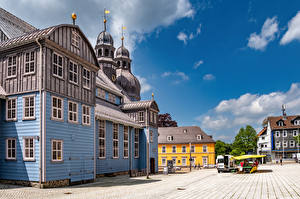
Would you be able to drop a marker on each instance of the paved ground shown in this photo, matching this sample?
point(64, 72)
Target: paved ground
point(271, 182)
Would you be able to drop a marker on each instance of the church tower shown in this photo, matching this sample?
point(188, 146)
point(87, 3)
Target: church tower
point(105, 51)
point(125, 78)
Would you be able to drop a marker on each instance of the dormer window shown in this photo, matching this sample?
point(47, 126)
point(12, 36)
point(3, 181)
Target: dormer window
point(184, 130)
point(297, 122)
point(199, 137)
point(170, 138)
point(280, 123)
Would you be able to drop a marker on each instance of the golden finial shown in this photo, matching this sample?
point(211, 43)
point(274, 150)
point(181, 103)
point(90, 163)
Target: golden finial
point(74, 17)
point(152, 96)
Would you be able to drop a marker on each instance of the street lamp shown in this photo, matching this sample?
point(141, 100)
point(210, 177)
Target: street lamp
point(284, 118)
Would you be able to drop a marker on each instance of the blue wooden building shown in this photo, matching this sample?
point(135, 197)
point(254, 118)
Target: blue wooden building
point(70, 112)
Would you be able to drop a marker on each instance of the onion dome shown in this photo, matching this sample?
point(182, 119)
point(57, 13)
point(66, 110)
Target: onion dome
point(105, 38)
point(122, 52)
point(129, 83)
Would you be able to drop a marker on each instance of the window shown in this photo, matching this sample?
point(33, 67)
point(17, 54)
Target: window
point(151, 116)
point(141, 116)
point(295, 133)
point(75, 39)
point(112, 54)
point(173, 149)
point(183, 159)
point(101, 93)
point(12, 66)
point(199, 137)
point(151, 136)
point(73, 72)
point(115, 140)
point(284, 133)
point(163, 149)
point(125, 141)
point(262, 138)
point(292, 143)
point(99, 52)
point(204, 149)
point(101, 139)
point(106, 52)
point(278, 144)
point(57, 108)
point(163, 161)
point(154, 118)
point(184, 130)
point(183, 149)
point(28, 149)
point(285, 144)
point(266, 145)
point(29, 62)
point(192, 149)
point(136, 143)
point(170, 138)
point(11, 109)
point(111, 98)
point(297, 122)
point(280, 123)
point(86, 115)
point(174, 160)
point(57, 150)
point(28, 107)
point(124, 64)
point(11, 148)
point(277, 133)
point(73, 112)
point(57, 65)
point(86, 78)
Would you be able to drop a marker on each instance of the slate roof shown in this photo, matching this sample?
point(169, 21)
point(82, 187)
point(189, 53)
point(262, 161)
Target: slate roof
point(2, 93)
point(180, 137)
point(138, 105)
point(288, 123)
point(114, 115)
point(13, 26)
point(262, 131)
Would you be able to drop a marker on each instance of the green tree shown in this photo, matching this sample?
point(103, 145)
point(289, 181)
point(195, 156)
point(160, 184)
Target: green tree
point(245, 141)
point(222, 148)
point(297, 139)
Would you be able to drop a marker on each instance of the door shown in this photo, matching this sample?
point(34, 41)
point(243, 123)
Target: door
point(204, 160)
point(152, 165)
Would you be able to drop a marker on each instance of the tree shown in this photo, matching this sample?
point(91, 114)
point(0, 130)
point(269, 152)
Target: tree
point(297, 139)
point(244, 141)
point(165, 120)
point(222, 148)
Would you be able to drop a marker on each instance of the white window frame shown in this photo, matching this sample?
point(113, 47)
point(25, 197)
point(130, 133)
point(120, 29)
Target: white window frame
point(136, 143)
point(164, 161)
point(72, 72)
point(280, 123)
point(74, 113)
point(11, 149)
point(86, 81)
point(183, 163)
point(28, 148)
point(61, 109)
point(173, 149)
point(295, 133)
point(29, 62)
point(174, 162)
point(277, 134)
point(111, 98)
point(126, 141)
point(194, 149)
point(141, 116)
point(86, 115)
point(57, 65)
point(115, 140)
point(12, 66)
point(285, 144)
point(284, 133)
point(75, 39)
point(103, 148)
point(184, 149)
point(199, 137)
point(292, 143)
point(163, 149)
point(101, 93)
point(15, 109)
point(57, 150)
point(151, 116)
point(30, 117)
point(169, 138)
point(204, 147)
point(154, 118)
point(297, 122)
point(278, 144)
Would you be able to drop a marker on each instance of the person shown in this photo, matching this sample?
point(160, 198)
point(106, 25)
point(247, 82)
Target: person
point(280, 160)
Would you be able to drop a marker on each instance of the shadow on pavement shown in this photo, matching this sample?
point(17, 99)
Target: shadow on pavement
point(264, 171)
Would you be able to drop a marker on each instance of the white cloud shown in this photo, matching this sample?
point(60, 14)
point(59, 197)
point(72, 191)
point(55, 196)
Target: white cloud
point(267, 34)
point(198, 63)
point(293, 32)
point(230, 115)
point(182, 36)
point(209, 77)
point(145, 86)
point(179, 76)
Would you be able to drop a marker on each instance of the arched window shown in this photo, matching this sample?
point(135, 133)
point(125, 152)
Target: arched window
point(124, 64)
point(118, 63)
point(100, 52)
point(112, 54)
point(106, 53)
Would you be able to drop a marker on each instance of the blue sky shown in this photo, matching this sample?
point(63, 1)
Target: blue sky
point(217, 64)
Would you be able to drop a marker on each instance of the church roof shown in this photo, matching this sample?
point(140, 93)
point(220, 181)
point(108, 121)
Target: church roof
point(183, 135)
point(262, 131)
point(13, 26)
point(140, 105)
point(287, 124)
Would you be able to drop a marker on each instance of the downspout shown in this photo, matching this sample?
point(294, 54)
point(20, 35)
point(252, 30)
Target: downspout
point(130, 151)
point(95, 175)
point(41, 112)
point(147, 145)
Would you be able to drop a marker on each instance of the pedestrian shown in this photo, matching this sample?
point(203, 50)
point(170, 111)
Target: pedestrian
point(280, 160)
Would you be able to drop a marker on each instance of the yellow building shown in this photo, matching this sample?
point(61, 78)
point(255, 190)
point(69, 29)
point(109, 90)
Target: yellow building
point(176, 143)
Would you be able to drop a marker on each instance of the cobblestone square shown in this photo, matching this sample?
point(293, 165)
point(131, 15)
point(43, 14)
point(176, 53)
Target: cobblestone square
point(272, 181)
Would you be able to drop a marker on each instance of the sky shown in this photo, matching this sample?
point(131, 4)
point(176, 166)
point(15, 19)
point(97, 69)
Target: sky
point(220, 65)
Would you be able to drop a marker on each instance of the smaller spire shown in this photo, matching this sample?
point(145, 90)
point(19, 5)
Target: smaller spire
point(105, 19)
point(122, 38)
point(152, 96)
point(74, 17)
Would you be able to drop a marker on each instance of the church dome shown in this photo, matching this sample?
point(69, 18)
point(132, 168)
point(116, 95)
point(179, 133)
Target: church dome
point(122, 51)
point(129, 83)
point(105, 38)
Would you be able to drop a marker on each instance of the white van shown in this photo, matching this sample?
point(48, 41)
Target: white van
point(224, 163)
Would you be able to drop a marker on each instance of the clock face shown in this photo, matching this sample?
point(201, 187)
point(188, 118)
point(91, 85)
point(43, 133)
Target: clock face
point(113, 77)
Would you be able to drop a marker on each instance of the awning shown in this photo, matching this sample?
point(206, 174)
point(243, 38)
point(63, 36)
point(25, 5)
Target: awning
point(2, 93)
point(243, 157)
point(106, 113)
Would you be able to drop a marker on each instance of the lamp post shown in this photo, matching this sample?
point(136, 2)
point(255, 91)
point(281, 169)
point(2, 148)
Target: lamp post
point(190, 157)
point(284, 118)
